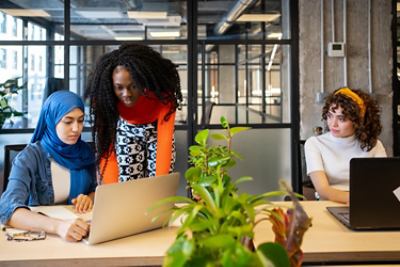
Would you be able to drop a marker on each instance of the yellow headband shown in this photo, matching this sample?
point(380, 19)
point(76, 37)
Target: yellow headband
point(353, 96)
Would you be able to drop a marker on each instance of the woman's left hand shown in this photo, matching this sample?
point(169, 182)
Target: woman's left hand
point(82, 203)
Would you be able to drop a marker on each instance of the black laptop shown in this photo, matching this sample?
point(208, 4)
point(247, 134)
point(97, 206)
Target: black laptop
point(374, 195)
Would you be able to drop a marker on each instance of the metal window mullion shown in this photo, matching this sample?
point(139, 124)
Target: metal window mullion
point(192, 70)
point(295, 96)
point(237, 84)
point(203, 84)
point(67, 35)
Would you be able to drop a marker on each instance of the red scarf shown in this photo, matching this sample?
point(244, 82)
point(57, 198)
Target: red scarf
point(147, 109)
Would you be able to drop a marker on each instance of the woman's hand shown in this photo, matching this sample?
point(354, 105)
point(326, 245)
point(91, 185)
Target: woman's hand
point(73, 230)
point(82, 203)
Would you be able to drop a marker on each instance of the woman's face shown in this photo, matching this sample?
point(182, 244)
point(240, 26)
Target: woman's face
point(125, 87)
point(338, 125)
point(70, 127)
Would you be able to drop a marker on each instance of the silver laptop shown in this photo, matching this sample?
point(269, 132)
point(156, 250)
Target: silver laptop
point(122, 209)
point(374, 195)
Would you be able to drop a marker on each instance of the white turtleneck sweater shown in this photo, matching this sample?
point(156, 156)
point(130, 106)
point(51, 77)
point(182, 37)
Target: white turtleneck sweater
point(332, 155)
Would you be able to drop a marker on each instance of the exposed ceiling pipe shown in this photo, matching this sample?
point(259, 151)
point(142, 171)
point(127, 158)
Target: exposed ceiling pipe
point(134, 4)
point(322, 64)
point(237, 10)
point(333, 20)
point(369, 47)
point(345, 42)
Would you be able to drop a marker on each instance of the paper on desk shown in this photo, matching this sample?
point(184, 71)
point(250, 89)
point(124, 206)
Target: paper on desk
point(396, 192)
point(62, 212)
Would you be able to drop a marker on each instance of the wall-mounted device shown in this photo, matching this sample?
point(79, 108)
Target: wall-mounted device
point(320, 97)
point(336, 49)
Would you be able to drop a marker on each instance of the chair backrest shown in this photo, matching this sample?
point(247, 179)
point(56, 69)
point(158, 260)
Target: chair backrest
point(52, 85)
point(307, 185)
point(208, 112)
point(10, 152)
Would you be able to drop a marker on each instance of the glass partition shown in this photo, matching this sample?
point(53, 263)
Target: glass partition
point(29, 66)
point(255, 20)
point(44, 18)
point(265, 155)
point(128, 20)
point(83, 59)
point(248, 84)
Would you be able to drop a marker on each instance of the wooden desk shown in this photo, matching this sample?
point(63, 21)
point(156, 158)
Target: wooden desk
point(328, 241)
point(139, 250)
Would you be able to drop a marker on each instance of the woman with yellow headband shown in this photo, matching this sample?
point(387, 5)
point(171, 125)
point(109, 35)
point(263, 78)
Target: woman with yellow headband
point(353, 122)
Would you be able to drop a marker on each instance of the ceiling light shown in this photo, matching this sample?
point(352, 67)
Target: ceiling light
point(128, 38)
point(164, 34)
point(18, 12)
point(257, 17)
point(147, 15)
point(99, 14)
point(271, 59)
point(171, 51)
point(275, 35)
point(126, 28)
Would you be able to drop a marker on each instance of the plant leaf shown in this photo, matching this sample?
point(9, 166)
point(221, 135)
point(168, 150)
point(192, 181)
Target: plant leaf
point(169, 200)
point(193, 173)
point(201, 137)
point(217, 161)
point(218, 136)
point(179, 253)
point(195, 150)
point(275, 253)
point(206, 197)
point(224, 122)
point(236, 155)
point(235, 130)
point(243, 179)
point(223, 241)
point(206, 181)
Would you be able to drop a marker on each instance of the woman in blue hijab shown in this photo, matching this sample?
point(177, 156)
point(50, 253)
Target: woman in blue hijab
point(57, 167)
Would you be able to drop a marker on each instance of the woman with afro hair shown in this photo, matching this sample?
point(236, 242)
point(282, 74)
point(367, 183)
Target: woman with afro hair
point(353, 121)
point(134, 93)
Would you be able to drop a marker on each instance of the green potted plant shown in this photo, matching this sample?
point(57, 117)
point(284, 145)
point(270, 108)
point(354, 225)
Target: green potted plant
point(8, 88)
point(217, 224)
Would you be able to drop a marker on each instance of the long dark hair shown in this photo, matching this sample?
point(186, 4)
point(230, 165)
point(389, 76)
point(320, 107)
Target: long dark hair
point(367, 127)
point(148, 69)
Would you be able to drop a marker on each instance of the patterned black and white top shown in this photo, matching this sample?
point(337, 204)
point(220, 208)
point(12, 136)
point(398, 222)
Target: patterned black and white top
point(136, 149)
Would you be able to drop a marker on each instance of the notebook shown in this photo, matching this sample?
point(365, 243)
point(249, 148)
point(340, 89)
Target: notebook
point(374, 195)
point(122, 209)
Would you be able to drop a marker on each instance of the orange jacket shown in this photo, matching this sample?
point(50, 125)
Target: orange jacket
point(147, 109)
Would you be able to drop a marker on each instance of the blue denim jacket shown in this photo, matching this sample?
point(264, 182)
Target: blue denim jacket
point(30, 182)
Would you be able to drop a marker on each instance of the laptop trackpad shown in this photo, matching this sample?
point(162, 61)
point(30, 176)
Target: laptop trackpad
point(341, 213)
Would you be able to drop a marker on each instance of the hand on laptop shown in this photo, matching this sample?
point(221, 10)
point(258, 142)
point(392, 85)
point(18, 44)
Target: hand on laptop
point(82, 203)
point(73, 230)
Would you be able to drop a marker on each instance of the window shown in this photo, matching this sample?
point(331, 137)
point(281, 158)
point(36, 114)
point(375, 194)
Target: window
point(3, 58)
point(40, 63)
point(14, 26)
point(3, 22)
point(15, 60)
point(32, 62)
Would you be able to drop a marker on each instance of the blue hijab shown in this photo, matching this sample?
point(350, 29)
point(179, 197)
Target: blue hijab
point(56, 106)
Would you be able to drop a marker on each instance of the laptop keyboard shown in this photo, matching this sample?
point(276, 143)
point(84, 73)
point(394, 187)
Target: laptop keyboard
point(345, 216)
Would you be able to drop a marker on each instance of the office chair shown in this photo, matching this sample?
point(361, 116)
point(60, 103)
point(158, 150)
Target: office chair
point(308, 190)
point(52, 85)
point(10, 152)
point(307, 185)
point(207, 112)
